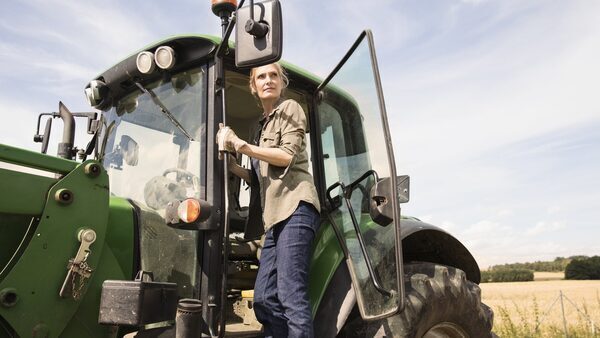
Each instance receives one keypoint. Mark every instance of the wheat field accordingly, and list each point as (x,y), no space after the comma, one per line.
(533,309)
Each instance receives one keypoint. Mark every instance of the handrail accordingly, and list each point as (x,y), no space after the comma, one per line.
(346,193)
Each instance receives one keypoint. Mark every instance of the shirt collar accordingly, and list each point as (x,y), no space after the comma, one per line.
(277,107)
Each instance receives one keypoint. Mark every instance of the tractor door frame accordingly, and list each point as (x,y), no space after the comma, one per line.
(376,297)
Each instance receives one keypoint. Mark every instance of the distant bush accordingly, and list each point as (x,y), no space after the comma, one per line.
(583,268)
(506,275)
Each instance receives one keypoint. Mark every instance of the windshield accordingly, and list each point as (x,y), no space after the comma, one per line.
(144,148)
(152,145)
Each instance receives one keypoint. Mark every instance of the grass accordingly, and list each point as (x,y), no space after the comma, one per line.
(533,309)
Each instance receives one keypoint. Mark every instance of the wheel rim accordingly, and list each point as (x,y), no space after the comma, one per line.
(446,330)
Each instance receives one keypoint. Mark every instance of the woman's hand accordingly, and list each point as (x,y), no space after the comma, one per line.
(228,140)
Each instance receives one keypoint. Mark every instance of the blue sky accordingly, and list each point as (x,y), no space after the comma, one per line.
(493,104)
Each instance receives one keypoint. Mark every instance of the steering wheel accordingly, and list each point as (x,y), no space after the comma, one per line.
(183,177)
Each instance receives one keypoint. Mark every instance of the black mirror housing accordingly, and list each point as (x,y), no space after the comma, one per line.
(381,207)
(258,39)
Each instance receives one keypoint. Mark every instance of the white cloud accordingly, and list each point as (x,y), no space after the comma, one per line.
(533,76)
(14,113)
(463,94)
(505,213)
(448,226)
(544,227)
(554,209)
(25,31)
(473,2)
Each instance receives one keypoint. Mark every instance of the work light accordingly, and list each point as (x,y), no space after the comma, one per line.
(164,57)
(145,62)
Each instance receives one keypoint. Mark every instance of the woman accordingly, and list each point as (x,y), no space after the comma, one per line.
(289,203)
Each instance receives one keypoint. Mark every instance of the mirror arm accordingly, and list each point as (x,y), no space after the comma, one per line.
(223,48)
(360,179)
(252,10)
(255,28)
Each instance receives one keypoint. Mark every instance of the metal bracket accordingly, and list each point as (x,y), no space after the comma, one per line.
(78,270)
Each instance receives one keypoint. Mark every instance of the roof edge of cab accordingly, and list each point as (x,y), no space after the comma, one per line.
(190,50)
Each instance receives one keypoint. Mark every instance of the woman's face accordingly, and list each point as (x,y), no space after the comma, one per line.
(268,83)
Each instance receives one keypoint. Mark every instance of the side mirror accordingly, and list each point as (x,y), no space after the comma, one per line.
(381,207)
(46,136)
(130,150)
(258,34)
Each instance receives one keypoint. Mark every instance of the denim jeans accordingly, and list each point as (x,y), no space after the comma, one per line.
(281,301)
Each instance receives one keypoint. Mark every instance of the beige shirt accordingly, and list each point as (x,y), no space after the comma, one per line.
(282,188)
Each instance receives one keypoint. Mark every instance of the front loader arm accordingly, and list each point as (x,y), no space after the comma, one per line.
(60,210)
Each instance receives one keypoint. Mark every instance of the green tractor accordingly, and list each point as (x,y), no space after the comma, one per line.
(152,237)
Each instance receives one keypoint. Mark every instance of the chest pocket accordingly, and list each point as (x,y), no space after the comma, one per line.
(271,139)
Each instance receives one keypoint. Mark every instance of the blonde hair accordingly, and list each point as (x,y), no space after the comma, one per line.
(280,71)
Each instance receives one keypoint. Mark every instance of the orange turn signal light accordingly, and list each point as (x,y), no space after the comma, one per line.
(189,214)
(189,210)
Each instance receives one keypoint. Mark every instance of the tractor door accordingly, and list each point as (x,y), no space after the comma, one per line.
(360,179)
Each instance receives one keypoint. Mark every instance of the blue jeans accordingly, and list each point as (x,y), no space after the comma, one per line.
(281,301)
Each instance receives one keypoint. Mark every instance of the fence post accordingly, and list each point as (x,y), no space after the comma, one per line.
(562,308)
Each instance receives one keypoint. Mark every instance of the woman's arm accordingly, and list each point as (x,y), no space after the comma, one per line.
(274,156)
(293,124)
(240,172)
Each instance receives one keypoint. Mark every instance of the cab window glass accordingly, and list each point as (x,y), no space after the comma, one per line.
(354,145)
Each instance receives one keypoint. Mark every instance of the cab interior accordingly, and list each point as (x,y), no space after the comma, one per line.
(243,112)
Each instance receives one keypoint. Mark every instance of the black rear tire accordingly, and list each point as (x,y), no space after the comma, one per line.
(440,302)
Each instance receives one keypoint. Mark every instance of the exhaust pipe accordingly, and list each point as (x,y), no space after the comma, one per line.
(65,148)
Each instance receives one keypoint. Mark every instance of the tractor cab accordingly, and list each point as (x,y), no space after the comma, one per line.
(156,142)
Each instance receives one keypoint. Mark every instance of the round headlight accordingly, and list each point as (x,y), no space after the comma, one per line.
(145,62)
(165,57)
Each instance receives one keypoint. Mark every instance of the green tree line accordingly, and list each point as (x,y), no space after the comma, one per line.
(575,267)
(557,265)
(506,275)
